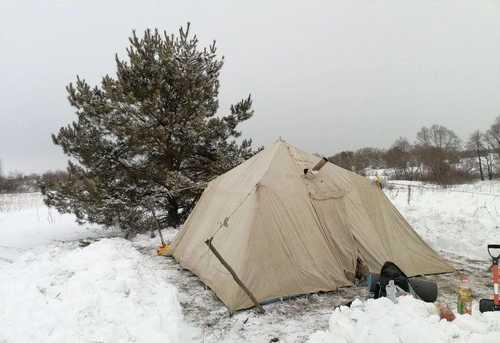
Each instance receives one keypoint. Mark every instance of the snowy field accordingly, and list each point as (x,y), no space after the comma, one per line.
(25,222)
(52,289)
(55,289)
(459,220)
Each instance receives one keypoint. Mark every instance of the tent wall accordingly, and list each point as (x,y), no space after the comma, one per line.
(285,233)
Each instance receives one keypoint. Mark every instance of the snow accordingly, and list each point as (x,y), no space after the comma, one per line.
(409,321)
(459,220)
(58,291)
(54,290)
(290,320)
(26,222)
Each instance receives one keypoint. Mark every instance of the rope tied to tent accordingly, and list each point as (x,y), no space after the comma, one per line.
(225,222)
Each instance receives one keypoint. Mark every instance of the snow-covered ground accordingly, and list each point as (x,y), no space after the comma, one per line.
(114,290)
(409,321)
(290,321)
(54,289)
(25,222)
(106,292)
(458,220)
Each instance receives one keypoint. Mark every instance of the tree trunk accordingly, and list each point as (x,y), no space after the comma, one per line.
(489,165)
(480,164)
(173,213)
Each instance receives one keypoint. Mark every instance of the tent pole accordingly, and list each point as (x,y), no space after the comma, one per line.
(320,164)
(208,242)
(159,227)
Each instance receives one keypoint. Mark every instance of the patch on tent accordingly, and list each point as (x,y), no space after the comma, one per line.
(321,188)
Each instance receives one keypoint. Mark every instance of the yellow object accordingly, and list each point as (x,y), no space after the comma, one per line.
(464,301)
(164,250)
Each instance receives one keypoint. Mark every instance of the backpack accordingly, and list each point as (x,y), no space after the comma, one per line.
(390,271)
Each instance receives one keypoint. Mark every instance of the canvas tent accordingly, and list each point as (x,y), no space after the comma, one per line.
(284,233)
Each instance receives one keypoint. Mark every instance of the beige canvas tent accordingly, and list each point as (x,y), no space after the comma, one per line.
(283,233)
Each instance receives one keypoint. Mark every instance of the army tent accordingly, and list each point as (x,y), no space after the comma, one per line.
(268,229)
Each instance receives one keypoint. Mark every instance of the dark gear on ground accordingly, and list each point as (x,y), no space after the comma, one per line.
(420,288)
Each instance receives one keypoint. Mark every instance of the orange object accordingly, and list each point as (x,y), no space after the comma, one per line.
(445,312)
(496,282)
(164,250)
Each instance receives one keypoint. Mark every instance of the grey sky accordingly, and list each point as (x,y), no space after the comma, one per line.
(325,75)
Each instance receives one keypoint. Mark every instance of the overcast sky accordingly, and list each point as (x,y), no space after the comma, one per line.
(324,75)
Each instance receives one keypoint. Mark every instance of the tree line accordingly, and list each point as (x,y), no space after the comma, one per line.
(436,155)
(18,182)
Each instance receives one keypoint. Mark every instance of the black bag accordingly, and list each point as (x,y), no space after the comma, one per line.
(390,271)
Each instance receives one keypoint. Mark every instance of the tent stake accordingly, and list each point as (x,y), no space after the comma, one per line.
(208,242)
(159,227)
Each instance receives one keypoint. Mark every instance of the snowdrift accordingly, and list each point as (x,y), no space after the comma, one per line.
(409,321)
(105,292)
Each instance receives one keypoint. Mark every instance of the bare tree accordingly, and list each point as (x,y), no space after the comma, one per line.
(401,158)
(368,158)
(491,139)
(344,159)
(357,161)
(403,144)
(475,144)
(494,133)
(438,136)
(491,147)
(437,148)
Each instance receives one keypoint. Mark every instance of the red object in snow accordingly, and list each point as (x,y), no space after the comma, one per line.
(486,305)
(496,283)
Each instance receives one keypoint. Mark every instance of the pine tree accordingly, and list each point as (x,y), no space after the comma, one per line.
(146,141)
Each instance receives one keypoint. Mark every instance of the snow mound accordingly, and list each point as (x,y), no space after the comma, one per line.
(409,321)
(105,292)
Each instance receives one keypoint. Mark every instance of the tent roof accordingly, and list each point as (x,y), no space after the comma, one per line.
(285,233)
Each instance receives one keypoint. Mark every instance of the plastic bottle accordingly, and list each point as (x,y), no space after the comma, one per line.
(464,299)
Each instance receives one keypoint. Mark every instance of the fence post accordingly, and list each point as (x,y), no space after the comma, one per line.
(409,194)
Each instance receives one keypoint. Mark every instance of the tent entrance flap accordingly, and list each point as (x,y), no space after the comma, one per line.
(226,265)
